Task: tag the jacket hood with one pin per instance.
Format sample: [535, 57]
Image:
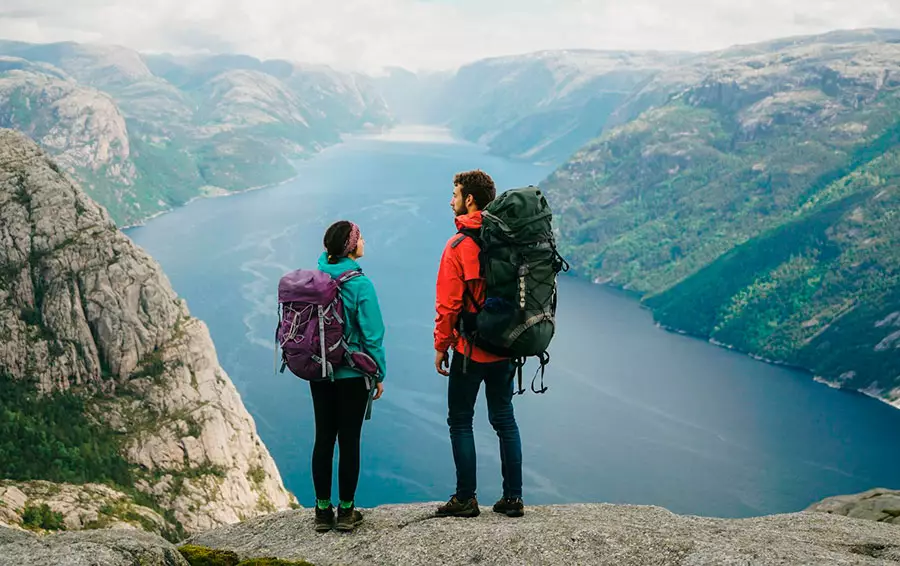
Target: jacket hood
[335, 269]
[471, 220]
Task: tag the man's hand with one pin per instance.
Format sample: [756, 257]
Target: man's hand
[379, 391]
[441, 359]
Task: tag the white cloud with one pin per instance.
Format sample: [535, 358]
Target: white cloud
[367, 34]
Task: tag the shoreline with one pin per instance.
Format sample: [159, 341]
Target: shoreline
[225, 193]
[776, 363]
[372, 133]
[638, 298]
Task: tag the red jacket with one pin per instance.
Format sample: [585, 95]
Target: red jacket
[459, 268]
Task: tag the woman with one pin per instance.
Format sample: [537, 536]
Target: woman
[340, 405]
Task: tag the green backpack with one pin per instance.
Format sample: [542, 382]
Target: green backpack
[519, 263]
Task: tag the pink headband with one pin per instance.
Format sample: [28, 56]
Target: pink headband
[352, 239]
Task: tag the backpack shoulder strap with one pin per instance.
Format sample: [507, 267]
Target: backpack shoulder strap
[348, 275]
[467, 232]
[476, 237]
[458, 240]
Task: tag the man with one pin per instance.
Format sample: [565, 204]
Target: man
[459, 283]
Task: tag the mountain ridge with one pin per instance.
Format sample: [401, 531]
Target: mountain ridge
[187, 139]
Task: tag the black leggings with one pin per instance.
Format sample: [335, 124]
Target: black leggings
[340, 407]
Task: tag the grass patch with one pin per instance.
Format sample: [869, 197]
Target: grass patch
[42, 517]
[203, 556]
[151, 366]
[121, 511]
[256, 474]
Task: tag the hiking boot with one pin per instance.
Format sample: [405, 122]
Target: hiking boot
[324, 519]
[348, 519]
[457, 508]
[510, 506]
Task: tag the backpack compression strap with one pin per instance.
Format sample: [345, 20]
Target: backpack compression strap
[544, 358]
[518, 364]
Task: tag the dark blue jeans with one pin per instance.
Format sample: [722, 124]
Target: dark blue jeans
[461, 396]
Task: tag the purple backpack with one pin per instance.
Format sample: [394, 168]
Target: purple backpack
[311, 322]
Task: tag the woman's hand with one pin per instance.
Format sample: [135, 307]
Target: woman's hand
[379, 390]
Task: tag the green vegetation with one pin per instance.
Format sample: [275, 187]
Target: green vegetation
[153, 502]
[50, 437]
[165, 168]
[780, 239]
[818, 292]
[122, 511]
[256, 474]
[240, 163]
[151, 366]
[42, 518]
[202, 556]
[273, 562]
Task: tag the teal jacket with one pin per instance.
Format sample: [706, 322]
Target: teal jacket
[364, 327]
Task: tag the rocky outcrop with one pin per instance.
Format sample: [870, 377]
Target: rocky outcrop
[82, 127]
[588, 534]
[882, 505]
[84, 309]
[242, 98]
[89, 506]
[93, 548]
[568, 534]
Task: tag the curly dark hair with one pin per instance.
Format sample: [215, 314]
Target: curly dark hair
[478, 184]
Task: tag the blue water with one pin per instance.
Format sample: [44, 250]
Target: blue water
[633, 415]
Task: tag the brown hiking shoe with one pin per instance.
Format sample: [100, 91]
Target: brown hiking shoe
[348, 519]
[510, 506]
[457, 508]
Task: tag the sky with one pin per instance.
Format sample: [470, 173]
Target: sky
[367, 35]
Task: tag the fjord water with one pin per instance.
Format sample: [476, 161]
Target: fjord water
[633, 414]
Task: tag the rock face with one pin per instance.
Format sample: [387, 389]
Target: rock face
[83, 309]
[882, 505]
[571, 534]
[80, 125]
[106, 548]
[248, 98]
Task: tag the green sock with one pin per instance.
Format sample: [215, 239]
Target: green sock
[323, 503]
[346, 504]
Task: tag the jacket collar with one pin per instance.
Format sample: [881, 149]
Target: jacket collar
[342, 265]
[470, 220]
